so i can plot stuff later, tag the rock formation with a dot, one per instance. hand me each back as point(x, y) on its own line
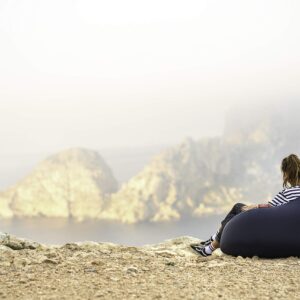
point(209, 175)
point(194, 178)
point(74, 183)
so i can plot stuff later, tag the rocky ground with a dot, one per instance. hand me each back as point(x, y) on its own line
point(169, 270)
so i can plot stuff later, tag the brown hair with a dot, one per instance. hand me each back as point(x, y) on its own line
point(290, 166)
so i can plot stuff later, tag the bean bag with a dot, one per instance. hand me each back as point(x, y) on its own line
point(264, 232)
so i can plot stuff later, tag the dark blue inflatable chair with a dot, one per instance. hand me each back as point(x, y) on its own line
point(265, 232)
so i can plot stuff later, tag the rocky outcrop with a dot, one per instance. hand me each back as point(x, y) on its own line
point(208, 176)
point(74, 183)
point(194, 179)
point(168, 270)
point(171, 186)
point(15, 243)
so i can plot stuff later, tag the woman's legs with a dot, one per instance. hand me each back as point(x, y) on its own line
point(208, 249)
point(215, 244)
point(236, 209)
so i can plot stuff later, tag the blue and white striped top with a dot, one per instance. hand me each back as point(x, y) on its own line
point(285, 196)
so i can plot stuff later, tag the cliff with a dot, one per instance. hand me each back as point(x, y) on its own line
point(194, 178)
point(74, 183)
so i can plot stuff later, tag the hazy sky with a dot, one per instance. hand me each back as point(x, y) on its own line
point(131, 73)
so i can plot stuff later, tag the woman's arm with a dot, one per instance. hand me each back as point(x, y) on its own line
point(264, 205)
point(252, 206)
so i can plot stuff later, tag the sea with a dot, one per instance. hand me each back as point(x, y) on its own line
point(58, 231)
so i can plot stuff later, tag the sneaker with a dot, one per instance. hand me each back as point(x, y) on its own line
point(203, 243)
point(207, 242)
point(200, 250)
point(196, 244)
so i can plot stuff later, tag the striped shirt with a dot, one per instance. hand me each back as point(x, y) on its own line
point(285, 196)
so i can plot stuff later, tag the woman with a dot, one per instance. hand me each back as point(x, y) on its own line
point(290, 168)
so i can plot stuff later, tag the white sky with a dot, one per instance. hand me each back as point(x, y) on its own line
point(131, 73)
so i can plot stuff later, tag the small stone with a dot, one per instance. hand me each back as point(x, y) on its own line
point(127, 256)
point(218, 252)
point(31, 277)
point(5, 263)
point(23, 280)
point(3, 236)
point(50, 261)
point(72, 246)
point(15, 245)
point(5, 249)
point(165, 253)
point(51, 255)
point(132, 269)
point(104, 251)
point(114, 278)
point(90, 270)
point(97, 263)
point(21, 262)
point(30, 245)
point(100, 294)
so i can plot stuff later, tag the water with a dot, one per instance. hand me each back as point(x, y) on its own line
point(60, 231)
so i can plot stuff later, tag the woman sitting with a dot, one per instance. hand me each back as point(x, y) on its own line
point(290, 168)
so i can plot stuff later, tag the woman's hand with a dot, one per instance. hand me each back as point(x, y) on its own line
point(248, 207)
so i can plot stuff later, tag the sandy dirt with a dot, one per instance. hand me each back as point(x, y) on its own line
point(169, 270)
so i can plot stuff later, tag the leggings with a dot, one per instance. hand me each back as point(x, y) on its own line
point(236, 209)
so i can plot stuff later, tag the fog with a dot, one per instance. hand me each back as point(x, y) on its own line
point(135, 74)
